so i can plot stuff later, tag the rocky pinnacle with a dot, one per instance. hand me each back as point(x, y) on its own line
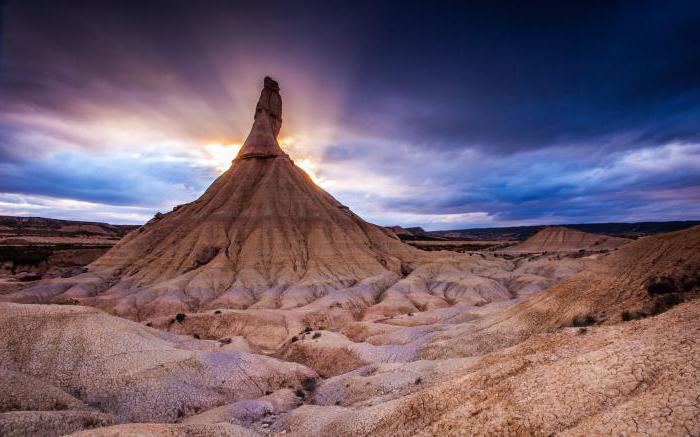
point(262, 140)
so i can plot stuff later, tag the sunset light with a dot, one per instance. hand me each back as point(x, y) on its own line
point(310, 168)
point(222, 154)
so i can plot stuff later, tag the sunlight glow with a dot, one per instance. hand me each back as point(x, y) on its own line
point(310, 168)
point(221, 155)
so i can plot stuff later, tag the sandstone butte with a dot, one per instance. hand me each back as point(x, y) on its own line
point(267, 307)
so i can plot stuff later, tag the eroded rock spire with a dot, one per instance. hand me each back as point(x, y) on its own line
point(262, 140)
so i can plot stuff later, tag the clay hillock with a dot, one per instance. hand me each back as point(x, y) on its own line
point(69, 362)
point(639, 280)
point(522, 233)
point(561, 239)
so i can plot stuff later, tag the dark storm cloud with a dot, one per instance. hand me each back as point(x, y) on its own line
point(517, 112)
point(513, 77)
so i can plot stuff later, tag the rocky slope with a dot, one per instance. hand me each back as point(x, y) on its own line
point(495, 369)
point(85, 362)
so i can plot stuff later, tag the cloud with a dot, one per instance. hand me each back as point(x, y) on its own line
point(69, 209)
point(575, 113)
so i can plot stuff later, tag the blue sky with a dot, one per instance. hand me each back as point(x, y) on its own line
point(433, 114)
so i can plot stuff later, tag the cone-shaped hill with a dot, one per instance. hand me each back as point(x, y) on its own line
point(263, 224)
point(265, 237)
point(562, 239)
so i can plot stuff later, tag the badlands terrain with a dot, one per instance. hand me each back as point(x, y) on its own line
point(33, 248)
point(266, 307)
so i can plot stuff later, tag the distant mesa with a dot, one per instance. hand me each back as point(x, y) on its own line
point(401, 231)
point(562, 239)
point(413, 233)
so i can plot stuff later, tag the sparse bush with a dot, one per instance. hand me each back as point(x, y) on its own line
point(337, 402)
point(299, 393)
point(666, 302)
point(92, 422)
point(627, 316)
point(149, 324)
point(294, 339)
point(316, 335)
point(418, 380)
point(309, 384)
point(217, 312)
point(180, 317)
point(582, 331)
point(661, 286)
point(196, 336)
point(307, 329)
point(581, 321)
point(225, 341)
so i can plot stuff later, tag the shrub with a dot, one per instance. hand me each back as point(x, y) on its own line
point(309, 384)
point(299, 393)
point(180, 317)
point(196, 336)
point(581, 321)
point(316, 335)
point(418, 380)
point(217, 312)
point(582, 331)
point(665, 302)
point(225, 341)
point(627, 316)
point(661, 286)
point(92, 422)
point(295, 338)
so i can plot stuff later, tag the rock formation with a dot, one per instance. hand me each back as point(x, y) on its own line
point(262, 233)
point(265, 236)
point(562, 239)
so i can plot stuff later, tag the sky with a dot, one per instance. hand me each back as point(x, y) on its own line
point(444, 115)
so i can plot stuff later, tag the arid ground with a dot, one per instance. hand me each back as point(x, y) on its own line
point(267, 307)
